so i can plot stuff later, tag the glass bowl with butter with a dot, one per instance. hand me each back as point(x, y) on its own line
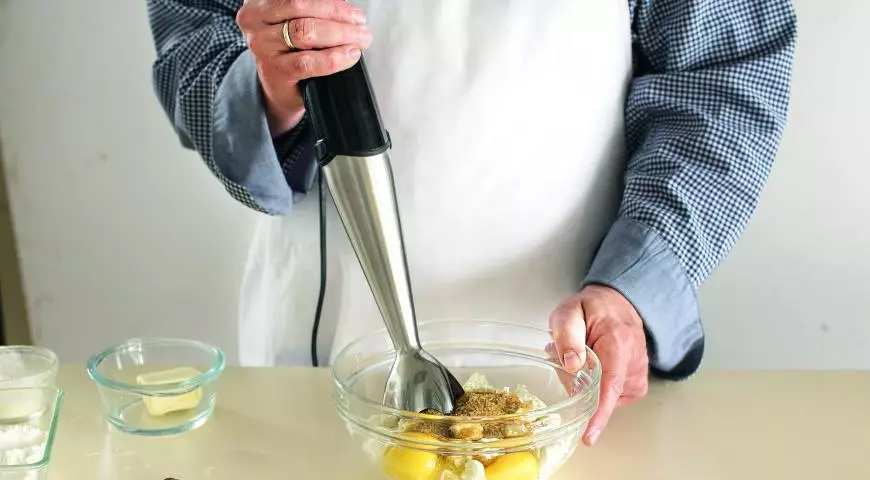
point(157, 386)
point(521, 418)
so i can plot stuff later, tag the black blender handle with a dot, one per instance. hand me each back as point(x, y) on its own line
point(345, 116)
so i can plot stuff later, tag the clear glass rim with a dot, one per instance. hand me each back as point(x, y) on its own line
point(52, 429)
point(217, 366)
point(594, 377)
point(33, 351)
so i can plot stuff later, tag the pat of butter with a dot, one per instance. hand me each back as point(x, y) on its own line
point(158, 406)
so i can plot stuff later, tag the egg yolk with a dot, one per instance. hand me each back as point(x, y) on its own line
point(405, 463)
point(513, 466)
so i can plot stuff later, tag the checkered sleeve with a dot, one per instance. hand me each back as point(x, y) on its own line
point(206, 80)
point(704, 119)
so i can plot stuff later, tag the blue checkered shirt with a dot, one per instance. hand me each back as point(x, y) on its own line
point(704, 117)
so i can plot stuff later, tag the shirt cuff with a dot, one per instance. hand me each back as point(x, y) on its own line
point(243, 149)
point(636, 262)
point(296, 155)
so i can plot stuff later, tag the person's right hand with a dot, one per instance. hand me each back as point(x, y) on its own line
point(329, 36)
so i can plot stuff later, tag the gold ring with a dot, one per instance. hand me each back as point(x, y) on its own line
point(287, 39)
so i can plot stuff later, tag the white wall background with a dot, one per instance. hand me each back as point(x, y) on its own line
point(122, 233)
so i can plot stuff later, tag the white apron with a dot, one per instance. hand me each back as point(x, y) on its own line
point(507, 124)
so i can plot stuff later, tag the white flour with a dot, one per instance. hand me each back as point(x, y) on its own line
point(21, 444)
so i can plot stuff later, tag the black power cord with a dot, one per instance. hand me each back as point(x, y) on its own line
point(314, 329)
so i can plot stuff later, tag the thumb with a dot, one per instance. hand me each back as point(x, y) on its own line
point(568, 328)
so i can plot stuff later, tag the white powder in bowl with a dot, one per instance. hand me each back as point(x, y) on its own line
point(21, 444)
point(12, 366)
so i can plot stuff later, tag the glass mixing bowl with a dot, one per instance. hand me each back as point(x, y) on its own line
point(28, 424)
point(157, 386)
point(508, 355)
point(26, 366)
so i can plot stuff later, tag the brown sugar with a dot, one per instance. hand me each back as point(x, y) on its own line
point(477, 403)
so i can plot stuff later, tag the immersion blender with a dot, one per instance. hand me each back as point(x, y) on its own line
point(352, 147)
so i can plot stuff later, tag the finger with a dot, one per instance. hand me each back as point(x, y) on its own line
point(636, 385)
point(568, 381)
point(314, 33)
point(317, 63)
point(278, 11)
point(569, 334)
point(625, 400)
point(634, 389)
point(614, 364)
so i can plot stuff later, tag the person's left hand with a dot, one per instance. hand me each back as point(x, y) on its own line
point(609, 323)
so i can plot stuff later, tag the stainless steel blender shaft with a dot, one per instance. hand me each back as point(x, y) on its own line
point(353, 149)
point(364, 194)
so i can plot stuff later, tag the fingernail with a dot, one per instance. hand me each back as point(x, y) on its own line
point(354, 53)
point(593, 437)
point(571, 361)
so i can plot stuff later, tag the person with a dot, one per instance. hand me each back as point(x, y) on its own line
point(589, 163)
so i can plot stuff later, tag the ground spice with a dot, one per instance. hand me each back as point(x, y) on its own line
point(487, 403)
point(477, 403)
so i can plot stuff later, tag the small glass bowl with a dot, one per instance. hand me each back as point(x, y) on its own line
point(26, 366)
point(509, 355)
point(28, 422)
point(115, 372)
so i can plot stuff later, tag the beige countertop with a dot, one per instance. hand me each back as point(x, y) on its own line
point(279, 424)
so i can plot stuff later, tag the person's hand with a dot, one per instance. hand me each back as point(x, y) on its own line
point(328, 35)
point(609, 323)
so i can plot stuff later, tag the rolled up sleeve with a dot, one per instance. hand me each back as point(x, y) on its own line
point(206, 80)
point(704, 119)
